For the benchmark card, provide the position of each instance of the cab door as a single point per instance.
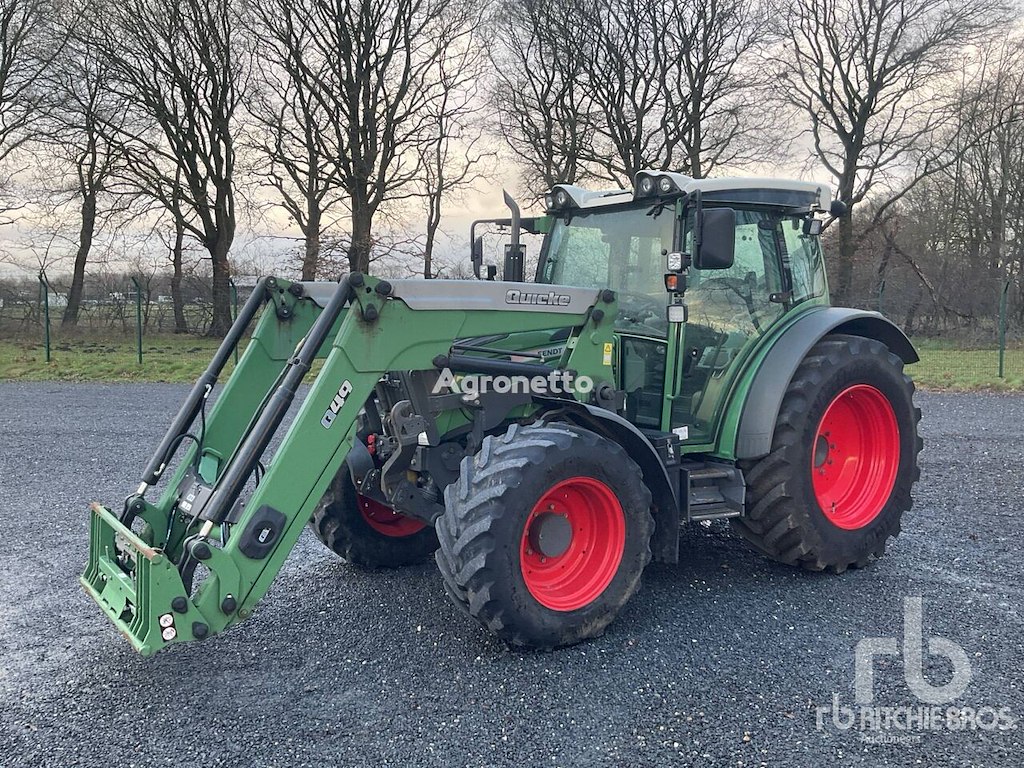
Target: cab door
(729, 311)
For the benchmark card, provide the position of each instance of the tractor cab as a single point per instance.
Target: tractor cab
(702, 270)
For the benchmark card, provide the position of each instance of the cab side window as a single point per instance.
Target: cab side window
(736, 299)
(805, 260)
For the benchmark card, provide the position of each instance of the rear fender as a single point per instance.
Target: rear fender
(756, 424)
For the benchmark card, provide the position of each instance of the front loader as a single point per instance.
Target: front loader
(675, 360)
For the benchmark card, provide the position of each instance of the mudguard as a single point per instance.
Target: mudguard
(665, 541)
(764, 396)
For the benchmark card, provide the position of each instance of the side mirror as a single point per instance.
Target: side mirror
(476, 254)
(716, 247)
(838, 208)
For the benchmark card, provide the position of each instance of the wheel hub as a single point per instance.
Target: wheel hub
(384, 520)
(551, 534)
(820, 451)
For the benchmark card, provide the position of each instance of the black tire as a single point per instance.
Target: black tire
(484, 536)
(342, 527)
(784, 518)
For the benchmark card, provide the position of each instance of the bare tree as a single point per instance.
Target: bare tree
(714, 88)
(543, 108)
(289, 124)
(988, 174)
(176, 250)
(607, 87)
(176, 246)
(974, 206)
(625, 85)
(76, 94)
(867, 75)
(181, 71)
(452, 155)
(944, 252)
(26, 47)
(369, 67)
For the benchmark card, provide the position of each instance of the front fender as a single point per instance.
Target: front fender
(664, 493)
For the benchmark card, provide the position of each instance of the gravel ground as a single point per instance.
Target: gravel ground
(720, 661)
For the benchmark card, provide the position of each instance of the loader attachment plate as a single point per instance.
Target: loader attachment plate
(133, 583)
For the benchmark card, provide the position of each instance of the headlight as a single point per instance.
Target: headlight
(677, 313)
(653, 184)
(812, 226)
(561, 198)
(549, 201)
(674, 261)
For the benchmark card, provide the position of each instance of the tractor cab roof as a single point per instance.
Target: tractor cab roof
(660, 186)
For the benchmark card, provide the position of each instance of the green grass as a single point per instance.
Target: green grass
(172, 358)
(968, 369)
(167, 357)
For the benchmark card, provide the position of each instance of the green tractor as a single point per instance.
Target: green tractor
(675, 360)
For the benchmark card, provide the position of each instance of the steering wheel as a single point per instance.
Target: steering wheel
(637, 307)
(741, 285)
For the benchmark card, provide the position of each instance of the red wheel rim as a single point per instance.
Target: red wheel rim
(855, 457)
(384, 520)
(587, 512)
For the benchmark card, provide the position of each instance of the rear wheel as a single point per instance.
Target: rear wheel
(366, 532)
(545, 534)
(838, 479)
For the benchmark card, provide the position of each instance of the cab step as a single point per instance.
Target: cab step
(714, 490)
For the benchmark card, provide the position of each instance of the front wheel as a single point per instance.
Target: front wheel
(367, 533)
(545, 534)
(833, 489)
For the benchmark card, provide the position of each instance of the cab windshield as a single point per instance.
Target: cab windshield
(622, 249)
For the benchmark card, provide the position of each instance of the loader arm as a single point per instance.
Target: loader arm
(197, 560)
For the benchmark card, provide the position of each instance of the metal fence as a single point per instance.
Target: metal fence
(124, 306)
(972, 337)
(109, 304)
